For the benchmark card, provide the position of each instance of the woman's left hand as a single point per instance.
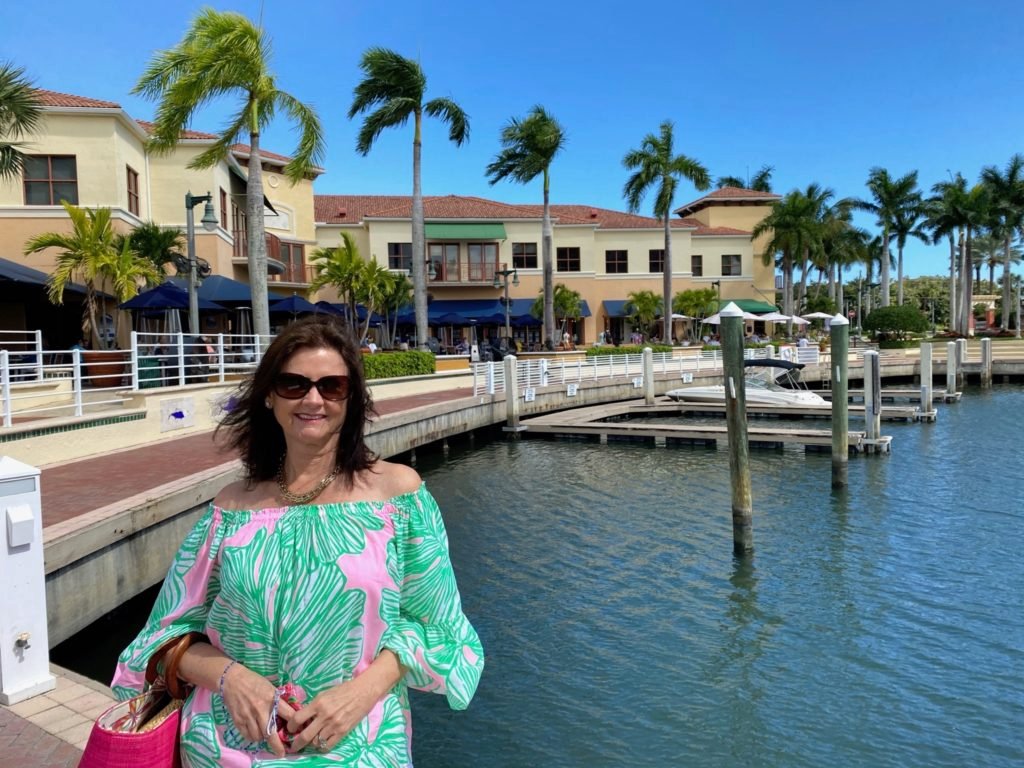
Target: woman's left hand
(328, 718)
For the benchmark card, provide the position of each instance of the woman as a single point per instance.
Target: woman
(348, 601)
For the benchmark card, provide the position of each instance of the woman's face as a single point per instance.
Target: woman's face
(311, 419)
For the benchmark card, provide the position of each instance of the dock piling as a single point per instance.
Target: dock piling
(511, 397)
(986, 363)
(961, 358)
(951, 351)
(840, 342)
(736, 422)
(927, 412)
(872, 397)
(648, 359)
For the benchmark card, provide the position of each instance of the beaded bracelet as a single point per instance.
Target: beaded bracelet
(224, 674)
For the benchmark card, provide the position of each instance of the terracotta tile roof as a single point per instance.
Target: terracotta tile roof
(55, 99)
(186, 134)
(353, 209)
(243, 150)
(729, 195)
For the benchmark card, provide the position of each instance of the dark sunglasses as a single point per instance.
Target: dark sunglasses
(293, 386)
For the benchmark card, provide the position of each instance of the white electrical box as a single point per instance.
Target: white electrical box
(20, 525)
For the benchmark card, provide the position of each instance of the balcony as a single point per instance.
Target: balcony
(241, 251)
(474, 274)
(294, 274)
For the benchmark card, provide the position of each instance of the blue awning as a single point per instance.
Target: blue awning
(11, 271)
(615, 307)
(474, 311)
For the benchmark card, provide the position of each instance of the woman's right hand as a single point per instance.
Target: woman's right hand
(249, 698)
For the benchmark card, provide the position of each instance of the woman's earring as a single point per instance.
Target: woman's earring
(268, 403)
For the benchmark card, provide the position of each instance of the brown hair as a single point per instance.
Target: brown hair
(251, 427)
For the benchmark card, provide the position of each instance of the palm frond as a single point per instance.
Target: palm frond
(310, 150)
(451, 114)
(392, 113)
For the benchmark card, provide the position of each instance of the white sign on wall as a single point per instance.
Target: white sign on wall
(687, 378)
(529, 394)
(570, 390)
(177, 413)
(638, 382)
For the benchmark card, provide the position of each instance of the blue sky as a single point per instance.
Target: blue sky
(822, 91)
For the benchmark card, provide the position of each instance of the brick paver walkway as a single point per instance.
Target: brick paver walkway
(24, 745)
(71, 489)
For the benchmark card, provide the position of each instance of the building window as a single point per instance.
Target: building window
(656, 258)
(731, 265)
(400, 256)
(616, 262)
(50, 179)
(567, 259)
(524, 255)
(697, 265)
(133, 191)
(223, 209)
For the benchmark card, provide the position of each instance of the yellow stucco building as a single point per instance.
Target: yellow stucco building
(94, 154)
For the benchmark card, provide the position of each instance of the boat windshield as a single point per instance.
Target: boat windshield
(773, 378)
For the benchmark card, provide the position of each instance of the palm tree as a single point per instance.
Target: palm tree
(943, 220)
(342, 268)
(20, 114)
(398, 295)
(642, 308)
(815, 202)
(696, 303)
(158, 245)
(529, 147)
(760, 182)
(654, 164)
(905, 224)
(889, 197)
(1007, 191)
(88, 253)
(122, 271)
(391, 92)
(568, 305)
(223, 53)
(793, 229)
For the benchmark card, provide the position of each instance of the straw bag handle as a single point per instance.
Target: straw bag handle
(170, 654)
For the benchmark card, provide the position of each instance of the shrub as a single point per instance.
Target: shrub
(390, 365)
(626, 349)
(899, 344)
(896, 322)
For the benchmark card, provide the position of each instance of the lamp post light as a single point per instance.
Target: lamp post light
(209, 222)
(501, 281)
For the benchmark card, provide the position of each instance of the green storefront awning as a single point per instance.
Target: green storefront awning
(749, 305)
(465, 231)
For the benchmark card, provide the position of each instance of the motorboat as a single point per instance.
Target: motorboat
(769, 381)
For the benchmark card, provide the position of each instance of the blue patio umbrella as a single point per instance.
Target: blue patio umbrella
(293, 305)
(448, 318)
(168, 296)
(326, 308)
(224, 290)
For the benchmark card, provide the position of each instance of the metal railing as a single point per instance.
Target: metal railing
(39, 383)
(489, 378)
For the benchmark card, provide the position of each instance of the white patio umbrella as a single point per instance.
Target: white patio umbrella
(715, 319)
(797, 320)
(817, 316)
(774, 317)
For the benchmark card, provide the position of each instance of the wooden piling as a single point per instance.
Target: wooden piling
(927, 411)
(736, 424)
(872, 397)
(648, 360)
(986, 363)
(511, 397)
(840, 342)
(961, 358)
(951, 387)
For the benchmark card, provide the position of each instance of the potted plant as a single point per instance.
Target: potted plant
(93, 254)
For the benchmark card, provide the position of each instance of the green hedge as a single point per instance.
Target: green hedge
(390, 365)
(626, 349)
(899, 344)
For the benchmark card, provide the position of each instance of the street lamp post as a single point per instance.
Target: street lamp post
(501, 281)
(1017, 333)
(209, 222)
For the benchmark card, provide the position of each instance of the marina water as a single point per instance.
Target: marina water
(878, 626)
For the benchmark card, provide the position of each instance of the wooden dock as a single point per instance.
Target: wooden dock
(611, 422)
(667, 405)
(892, 394)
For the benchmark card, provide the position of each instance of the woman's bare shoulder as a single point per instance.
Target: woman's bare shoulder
(241, 495)
(390, 479)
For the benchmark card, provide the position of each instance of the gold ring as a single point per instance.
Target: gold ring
(321, 744)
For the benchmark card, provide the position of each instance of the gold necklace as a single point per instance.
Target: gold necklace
(302, 498)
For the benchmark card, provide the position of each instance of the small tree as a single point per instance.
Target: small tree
(642, 307)
(696, 303)
(896, 321)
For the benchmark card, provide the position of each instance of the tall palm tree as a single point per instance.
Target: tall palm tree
(759, 182)
(889, 196)
(391, 92)
(942, 219)
(529, 146)
(20, 115)
(655, 165)
(817, 208)
(1007, 192)
(793, 228)
(907, 223)
(398, 295)
(225, 54)
(122, 271)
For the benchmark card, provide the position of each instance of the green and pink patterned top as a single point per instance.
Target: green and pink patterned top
(310, 595)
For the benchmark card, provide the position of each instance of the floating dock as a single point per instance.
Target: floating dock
(667, 405)
(892, 394)
(611, 422)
